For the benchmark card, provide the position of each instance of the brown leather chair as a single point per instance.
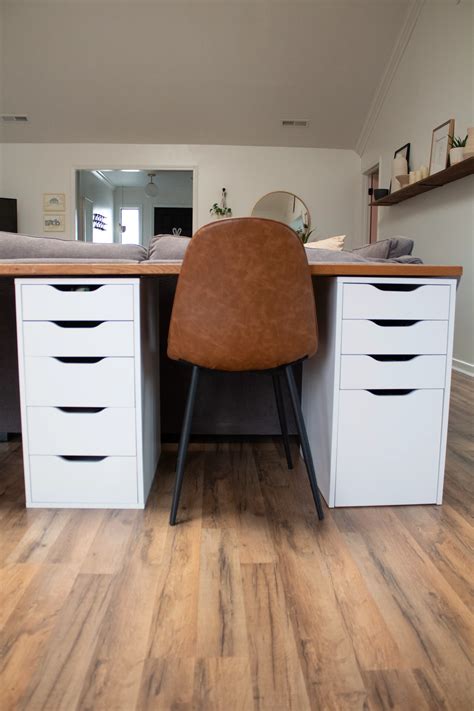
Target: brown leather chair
(244, 302)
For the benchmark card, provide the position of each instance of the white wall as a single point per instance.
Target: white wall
(326, 179)
(433, 83)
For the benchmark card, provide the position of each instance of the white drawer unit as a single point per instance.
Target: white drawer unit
(80, 382)
(89, 390)
(76, 338)
(388, 447)
(376, 395)
(387, 336)
(80, 301)
(364, 372)
(88, 430)
(98, 481)
(395, 300)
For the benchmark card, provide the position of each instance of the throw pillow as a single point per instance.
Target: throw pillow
(164, 247)
(334, 243)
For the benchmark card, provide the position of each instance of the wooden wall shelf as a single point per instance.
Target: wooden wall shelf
(454, 172)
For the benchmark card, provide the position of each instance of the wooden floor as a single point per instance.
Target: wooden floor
(248, 604)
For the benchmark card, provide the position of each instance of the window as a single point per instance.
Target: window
(130, 222)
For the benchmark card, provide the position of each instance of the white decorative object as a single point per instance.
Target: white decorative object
(376, 395)
(424, 171)
(403, 180)
(399, 167)
(469, 147)
(456, 155)
(89, 393)
(412, 177)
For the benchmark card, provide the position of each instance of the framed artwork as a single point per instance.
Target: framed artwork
(54, 202)
(440, 145)
(54, 223)
(405, 152)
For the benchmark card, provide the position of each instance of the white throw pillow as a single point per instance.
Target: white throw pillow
(335, 243)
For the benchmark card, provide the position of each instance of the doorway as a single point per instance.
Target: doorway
(168, 219)
(118, 204)
(373, 184)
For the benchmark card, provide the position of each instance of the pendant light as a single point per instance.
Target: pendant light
(151, 190)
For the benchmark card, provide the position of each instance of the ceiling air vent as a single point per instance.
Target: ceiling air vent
(14, 118)
(295, 122)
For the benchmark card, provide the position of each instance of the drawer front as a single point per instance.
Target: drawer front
(104, 432)
(58, 480)
(92, 338)
(107, 382)
(363, 372)
(48, 302)
(388, 448)
(369, 301)
(419, 338)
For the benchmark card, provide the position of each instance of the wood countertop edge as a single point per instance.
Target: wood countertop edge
(58, 269)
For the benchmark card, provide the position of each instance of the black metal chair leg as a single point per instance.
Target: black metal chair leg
(183, 443)
(282, 417)
(304, 439)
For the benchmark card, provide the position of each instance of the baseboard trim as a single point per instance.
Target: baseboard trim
(462, 367)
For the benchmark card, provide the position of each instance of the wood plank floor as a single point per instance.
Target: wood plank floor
(250, 603)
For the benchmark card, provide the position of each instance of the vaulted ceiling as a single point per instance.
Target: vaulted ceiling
(195, 71)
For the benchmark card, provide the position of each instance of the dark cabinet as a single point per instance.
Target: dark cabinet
(8, 215)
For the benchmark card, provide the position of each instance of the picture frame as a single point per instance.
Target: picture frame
(405, 152)
(54, 202)
(440, 145)
(54, 223)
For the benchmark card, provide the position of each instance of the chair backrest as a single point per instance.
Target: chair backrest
(244, 299)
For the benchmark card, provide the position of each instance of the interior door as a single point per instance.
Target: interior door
(169, 218)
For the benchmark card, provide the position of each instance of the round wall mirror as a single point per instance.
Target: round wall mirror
(285, 207)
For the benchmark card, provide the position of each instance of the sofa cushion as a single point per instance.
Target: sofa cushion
(376, 250)
(165, 247)
(15, 246)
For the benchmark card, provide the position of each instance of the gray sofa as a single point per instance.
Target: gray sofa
(234, 405)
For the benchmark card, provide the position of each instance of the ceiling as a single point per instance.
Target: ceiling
(195, 71)
(127, 179)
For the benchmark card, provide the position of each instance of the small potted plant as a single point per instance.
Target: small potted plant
(456, 153)
(304, 233)
(221, 210)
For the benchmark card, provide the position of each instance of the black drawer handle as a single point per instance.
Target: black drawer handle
(77, 287)
(80, 410)
(397, 287)
(77, 324)
(79, 359)
(392, 323)
(395, 393)
(80, 458)
(389, 358)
